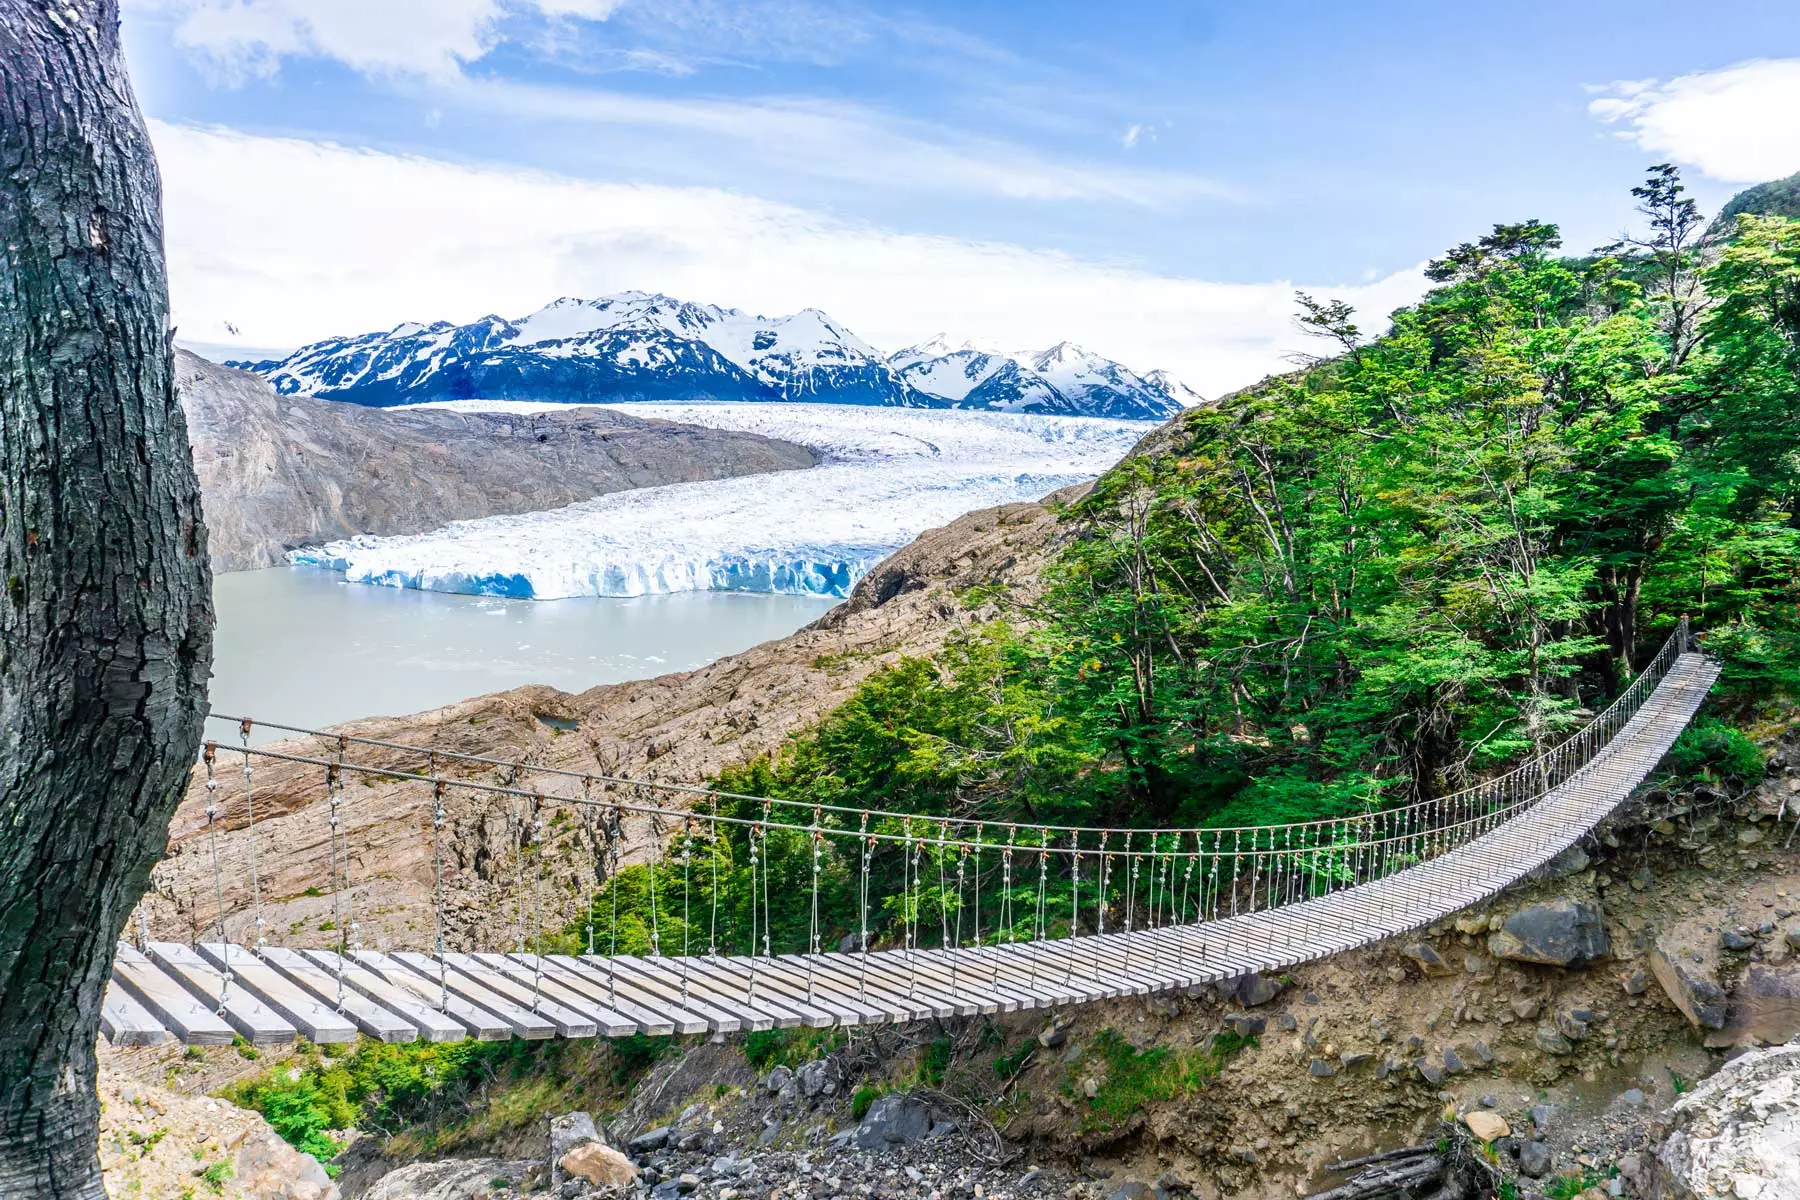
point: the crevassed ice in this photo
(888, 475)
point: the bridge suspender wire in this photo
(537, 906)
(252, 837)
(212, 842)
(437, 886)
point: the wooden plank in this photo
(372, 1018)
(889, 972)
(125, 1022)
(607, 983)
(549, 986)
(1041, 973)
(704, 971)
(848, 978)
(695, 1012)
(669, 980)
(259, 1024)
(312, 1017)
(761, 979)
(823, 988)
(523, 1022)
(433, 1026)
(191, 1021)
(479, 1022)
(937, 975)
(568, 1022)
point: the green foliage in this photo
(637, 1054)
(1367, 583)
(1709, 744)
(214, 1177)
(934, 1061)
(1130, 1078)
(384, 1087)
(1013, 1061)
(1572, 1184)
(767, 1049)
(862, 1100)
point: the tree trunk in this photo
(106, 617)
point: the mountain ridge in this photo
(644, 346)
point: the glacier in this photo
(887, 475)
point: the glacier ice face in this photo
(888, 475)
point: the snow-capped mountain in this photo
(1064, 379)
(639, 346)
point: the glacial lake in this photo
(300, 646)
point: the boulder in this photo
(454, 1179)
(893, 1120)
(599, 1164)
(1551, 1041)
(1562, 933)
(1254, 989)
(814, 1079)
(1535, 1159)
(650, 1139)
(1487, 1126)
(1689, 979)
(1737, 1134)
(1572, 861)
(1765, 1006)
(571, 1130)
(1245, 1025)
(1429, 960)
(267, 1168)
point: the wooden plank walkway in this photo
(184, 994)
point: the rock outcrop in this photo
(156, 1142)
(278, 472)
(1737, 1134)
(1559, 934)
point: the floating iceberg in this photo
(888, 475)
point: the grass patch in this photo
(934, 1061)
(1130, 1078)
(770, 1048)
(437, 1097)
(862, 1100)
(1572, 1184)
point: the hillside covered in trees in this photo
(1378, 578)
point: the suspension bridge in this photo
(979, 917)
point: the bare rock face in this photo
(1689, 975)
(1559, 934)
(452, 1179)
(156, 1142)
(278, 472)
(1737, 1134)
(1765, 1006)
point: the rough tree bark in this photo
(106, 614)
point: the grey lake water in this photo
(302, 647)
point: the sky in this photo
(1150, 180)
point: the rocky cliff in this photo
(283, 471)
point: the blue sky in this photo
(1151, 179)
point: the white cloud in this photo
(841, 140)
(415, 37)
(1136, 133)
(290, 241)
(1735, 124)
